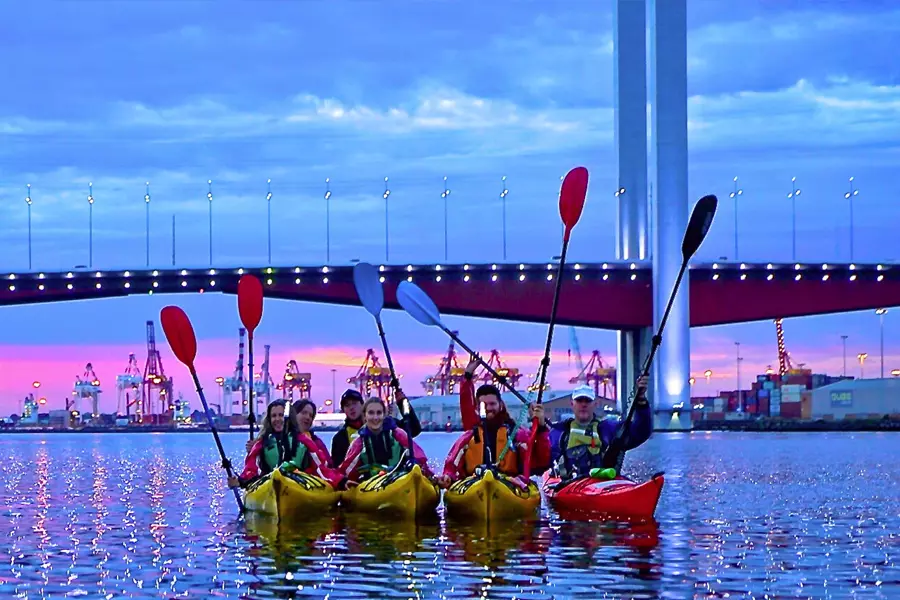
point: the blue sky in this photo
(176, 93)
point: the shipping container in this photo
(719, 404)
(806, 406)
(763, 408)
(791, 410)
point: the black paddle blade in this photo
(698, 226)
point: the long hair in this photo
(287, 437)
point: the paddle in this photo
(572, 195)
(697, 228)
(250, 308)
(421, 308)
(180, 335)
(371, 294)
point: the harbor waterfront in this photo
(791, 515)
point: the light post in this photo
(793, 198)
(734, 195)
(444, 195)
(503, 193)
(90, 200)
(881, 312)
(328, 219)
(269, 215)
(862, 356)
(333, 385)
(147, 204)
(740, 407)
(844, 342)
(387, 193)
(28, 202)
(708, 374)
(849, 196)
(221, 382)
(209, 196)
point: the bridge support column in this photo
(632, 236)
(669, 161)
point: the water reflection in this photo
(149, 516)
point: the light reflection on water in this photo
(789, 515)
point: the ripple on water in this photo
(788, 515)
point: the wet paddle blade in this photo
(368, 287)
(250, 301)
(180, 334)
(572, 195)
(417, 303)
(698, 226)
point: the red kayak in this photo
(620, 497)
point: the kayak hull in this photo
(406, 493)
(615, 498)
(301, 495)
(490, 496)
(289, 497)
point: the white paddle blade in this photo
(417, 303)
(368, 287)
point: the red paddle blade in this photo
(250, 301)
(180, 334)
(571, 197)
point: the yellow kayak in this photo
(490, 496)
(289, 497)
(407, 493)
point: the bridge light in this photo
(825, 277)
(408, 268)
(324, 269)
(797, 278)
(69, 286)
(769, 266)
(155, 284)
(324, 280)
(825, 267)
(494, 277)
(381, 268)
(880, 277)
(12, 288)
(797, 267)
(241, 271)
(98, 286)
(633, 276)
(633, 266)
(269, 281)
(493, 267)
(184, 284)
(98, 274)
(716, 276)
(549, 267)
(770, 277)
(549, 276)
(409, 279)
(297, 281)
(438, 278)
(605, 266)
(853, 278)
(68, 276)
(605, 276)
(743, 276)
(852, 267)
(465, 267)
(212, 283)
(381, 279)
(437, 267)
(577, 276)
(522, 277)
(715, 265)
(521, 267)
(127, 284)
(878, 268)
(41, 287)
(40, 276)
(184, 271)
(577, 266)
(743, 266)
(466, 278)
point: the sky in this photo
(175, 93)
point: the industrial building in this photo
(855, 399)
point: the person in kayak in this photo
(352, 407)
(577, 444)
(311, 455)
(494, 439)
(380, 445)
(277, 443)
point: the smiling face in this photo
(305, 418)
(491, 405)
(374, 416)
(276, 417)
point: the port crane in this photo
(448, 376)
(294, 384)
(128, 390)
(236, 384)
(87, 387)
(785, 366)
(595, 374)
(263, 384)
(156, 395)
(372, 379)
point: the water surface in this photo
(803, 515)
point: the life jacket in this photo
(274, 453)
(581, 449)
(368, 465)
(476, 448)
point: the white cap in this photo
(583, 391)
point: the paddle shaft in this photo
(615, 446)
(251, 417)
(484, 364)
(395, 383)
(226, 464)
(545, 362)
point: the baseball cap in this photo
(583, 391)
(351, 395)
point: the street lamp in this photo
(708, 374)
(209, 196)
(862, 356)
(28, 202)
(844, 342)
(221, 382)
(269, 215)
(90, 200)
(737, 192)
(881, 312)
(740, 407)
(333, 385)
(444, 195)
(793, 198)
(36, 384)
(147, 204)
(849, 196)
(387, 193)
(895, 372)
(328, 219)
(503, 194)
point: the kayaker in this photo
(487, 440)
(577, 444)
(379, 446)
(277, 442)
(352, 407)
(311, 456)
